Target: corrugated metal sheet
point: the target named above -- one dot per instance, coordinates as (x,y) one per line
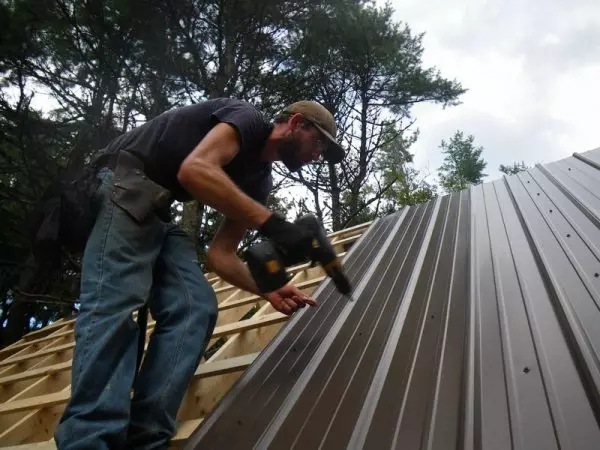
(476,325)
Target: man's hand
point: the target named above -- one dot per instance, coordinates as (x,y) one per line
(288,299)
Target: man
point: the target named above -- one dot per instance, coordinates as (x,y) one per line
(220,153)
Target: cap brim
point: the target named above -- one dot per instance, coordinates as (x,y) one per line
(334,153)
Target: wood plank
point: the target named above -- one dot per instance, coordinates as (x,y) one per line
(249,324)
(48,351)
(212,369)
(43,386)
(41,401)
(42,340)
(204,371)
(184,431)
(360,226)
(48,419)
(50,360)
(21,432)
(36,428)
(232,314)
(36,373)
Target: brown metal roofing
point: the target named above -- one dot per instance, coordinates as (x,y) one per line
(475,325)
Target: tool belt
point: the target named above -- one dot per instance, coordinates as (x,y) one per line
(135,193)
(65,215)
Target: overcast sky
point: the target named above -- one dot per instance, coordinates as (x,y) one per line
(532,68)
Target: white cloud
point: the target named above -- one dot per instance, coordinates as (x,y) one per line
(532,69)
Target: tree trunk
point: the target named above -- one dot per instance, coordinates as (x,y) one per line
(190,223)
(362,168)
(336,208)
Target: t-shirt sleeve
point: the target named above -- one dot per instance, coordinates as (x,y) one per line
(248,122)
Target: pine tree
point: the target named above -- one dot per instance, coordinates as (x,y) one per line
(462,165)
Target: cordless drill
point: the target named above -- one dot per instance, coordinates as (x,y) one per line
(267,265)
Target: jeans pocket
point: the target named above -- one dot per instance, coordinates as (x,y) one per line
(134,192)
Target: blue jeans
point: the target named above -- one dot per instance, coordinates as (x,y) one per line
(125,265)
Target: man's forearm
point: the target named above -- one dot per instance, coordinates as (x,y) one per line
(212,186)
(231,269)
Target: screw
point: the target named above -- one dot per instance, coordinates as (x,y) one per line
(433,316)
(550,211)
(568,235)
(596,275)
(538,193)
(526,370)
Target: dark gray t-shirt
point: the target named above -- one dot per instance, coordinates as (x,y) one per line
(165,141)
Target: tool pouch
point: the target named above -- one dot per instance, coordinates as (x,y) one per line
(135,193)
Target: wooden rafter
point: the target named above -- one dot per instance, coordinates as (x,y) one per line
(35,372)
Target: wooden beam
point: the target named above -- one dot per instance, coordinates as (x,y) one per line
(47,400)
(36,373)
(49,338)
(50,360)
(35,362)
(34,346)
(50,384)
(233,314)
(40,401)
(345,231)
(39,354)
(212,369)
(35,427)
(184,431)
(29,424)
(249,324)
(21,432)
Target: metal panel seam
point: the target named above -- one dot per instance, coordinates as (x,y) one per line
(359,434)
(586,361)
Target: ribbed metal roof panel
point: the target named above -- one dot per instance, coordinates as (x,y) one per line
(475,324)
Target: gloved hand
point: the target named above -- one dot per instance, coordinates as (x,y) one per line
(292,240)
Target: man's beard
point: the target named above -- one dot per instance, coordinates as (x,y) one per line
(289,152)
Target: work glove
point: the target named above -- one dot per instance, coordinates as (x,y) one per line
(293,241)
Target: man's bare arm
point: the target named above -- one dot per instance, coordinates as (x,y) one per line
(202,175)
(223,260)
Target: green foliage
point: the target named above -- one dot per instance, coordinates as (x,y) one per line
(514,168)
(462,165)
(404,185)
